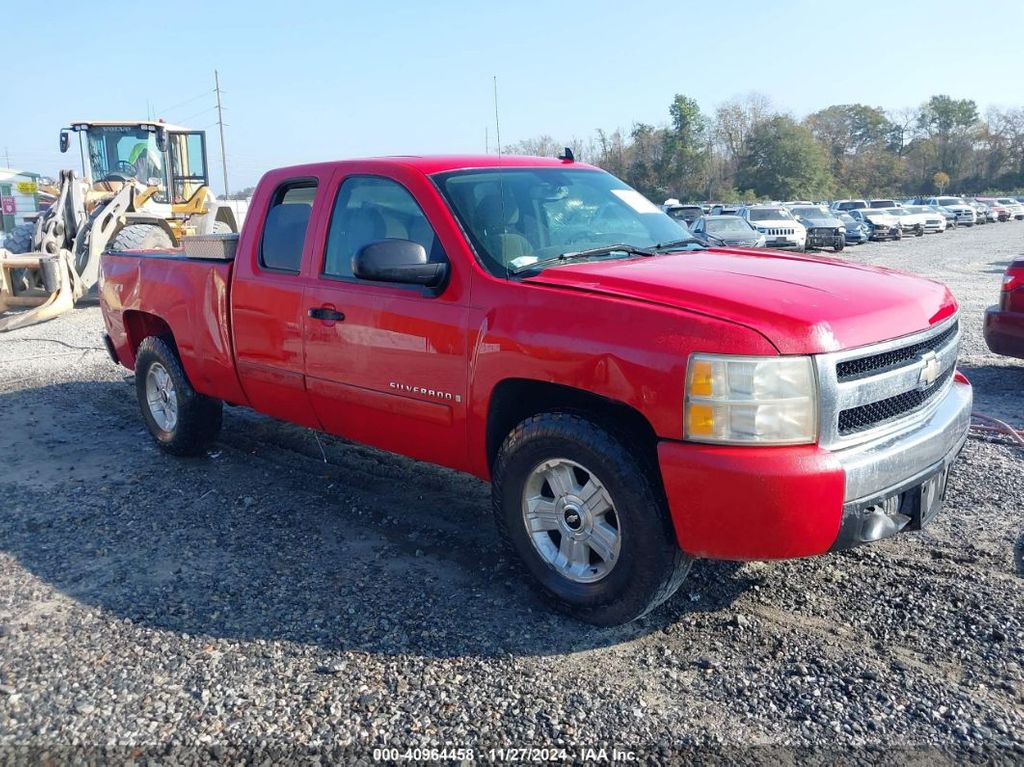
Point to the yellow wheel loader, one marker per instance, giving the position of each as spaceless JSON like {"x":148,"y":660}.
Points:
{"x":146,"y":185}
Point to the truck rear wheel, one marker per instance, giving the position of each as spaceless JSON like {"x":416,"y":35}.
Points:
{"x":182,"y":421}
{"x":587,"y":518}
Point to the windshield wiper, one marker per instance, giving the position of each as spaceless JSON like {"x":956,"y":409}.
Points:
{"x":604,"y":250}
{"x":662,"y":246}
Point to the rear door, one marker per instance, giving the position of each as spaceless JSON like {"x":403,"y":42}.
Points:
{"x":386,"y":364}
{"x":268,"y":305}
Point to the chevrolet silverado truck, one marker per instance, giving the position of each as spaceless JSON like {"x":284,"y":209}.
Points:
{"x":636,"y":399}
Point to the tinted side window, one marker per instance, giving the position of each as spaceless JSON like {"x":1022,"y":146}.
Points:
{"x":284,"y":232}
{"x":369,"y":209}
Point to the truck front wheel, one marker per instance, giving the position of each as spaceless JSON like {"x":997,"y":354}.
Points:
{"x":182,"y":421}
{"x":587,"y":518}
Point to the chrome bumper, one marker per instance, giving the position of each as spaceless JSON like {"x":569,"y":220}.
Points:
{"x":879,"y":469}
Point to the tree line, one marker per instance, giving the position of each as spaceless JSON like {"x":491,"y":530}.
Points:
{"x":748,"y":150}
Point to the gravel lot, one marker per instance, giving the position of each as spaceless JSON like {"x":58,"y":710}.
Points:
{"x":260,"y":598}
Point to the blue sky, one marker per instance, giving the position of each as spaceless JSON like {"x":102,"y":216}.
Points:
{"x":329,"y":80}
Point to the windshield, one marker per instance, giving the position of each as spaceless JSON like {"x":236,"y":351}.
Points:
{"x":949,"y":201}
{"x":846,"y":218}
{"x":810,"y":212}
{"x":730,"y":225}
{"x":517,"y":216}
{"x":124,"y":152}
{"x":769,"y":214}
{"x":682,"y":214}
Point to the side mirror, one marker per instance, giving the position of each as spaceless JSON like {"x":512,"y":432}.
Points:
{"x":401,"y":261}
{"x":161,"y":139}
{"x":65,"y":141}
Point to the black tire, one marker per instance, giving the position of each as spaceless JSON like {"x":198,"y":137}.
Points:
{"x":141,"y":237}
{"x":19,"y":240}
{"x":919,"y":231}
{"x":898,"y":235}
{"x":649,"y":566}
{"x":198,"y":417}
{"x":840,"y":243}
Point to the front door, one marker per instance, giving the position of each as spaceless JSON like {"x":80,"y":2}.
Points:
{"x":386,"y":364}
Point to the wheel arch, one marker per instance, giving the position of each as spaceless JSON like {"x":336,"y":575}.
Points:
{"x":514,"y":399}
{"x":140,"y":325}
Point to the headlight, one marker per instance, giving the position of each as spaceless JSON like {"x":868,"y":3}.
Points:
{"x":750,"y":400}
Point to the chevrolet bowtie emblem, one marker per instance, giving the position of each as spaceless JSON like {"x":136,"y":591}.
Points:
{"x":930,"y":372}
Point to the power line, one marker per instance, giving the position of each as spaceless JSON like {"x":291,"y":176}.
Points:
{"x":186,"y":102}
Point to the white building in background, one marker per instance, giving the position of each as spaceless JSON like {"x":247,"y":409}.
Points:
{"x":19,"y":197}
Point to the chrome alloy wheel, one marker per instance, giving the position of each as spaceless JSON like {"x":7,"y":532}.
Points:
{"x":571,"y":520}
{"x":161,"y":397}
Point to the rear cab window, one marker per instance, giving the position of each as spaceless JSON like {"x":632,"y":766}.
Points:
{"x":286,"y":226}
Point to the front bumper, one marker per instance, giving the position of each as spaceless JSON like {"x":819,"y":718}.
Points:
{"x":886,"y":232}
{"x":1004,"y":332}
{"x":783,"y":502}
{"x":825,"y":238}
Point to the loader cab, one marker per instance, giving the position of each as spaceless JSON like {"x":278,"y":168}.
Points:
{"x":168,"y":159}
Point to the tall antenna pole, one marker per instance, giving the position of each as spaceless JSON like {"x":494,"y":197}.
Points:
{"x":7,"y":157}
{"x":220,"y":124}
{"x":497,"y":122}
{"x":487,"y":140}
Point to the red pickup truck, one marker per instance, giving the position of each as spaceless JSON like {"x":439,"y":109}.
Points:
{"x":636,"y":399}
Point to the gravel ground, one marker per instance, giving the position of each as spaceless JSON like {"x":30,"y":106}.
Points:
{"x":262,"y":599}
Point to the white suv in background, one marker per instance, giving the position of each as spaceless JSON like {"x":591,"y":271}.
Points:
{"x":965,"y":213}
{"x":777,"y":224}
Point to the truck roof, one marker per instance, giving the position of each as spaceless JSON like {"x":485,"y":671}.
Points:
{"x":430,"y":164}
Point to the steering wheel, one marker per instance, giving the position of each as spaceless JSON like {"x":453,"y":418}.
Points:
{"x":123,"y":166}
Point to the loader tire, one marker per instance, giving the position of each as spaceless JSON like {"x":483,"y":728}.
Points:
{"x":20,"y":238}
{"x":20,"y":241}
{"x":141,"y":237}
{"x":182,"y":421}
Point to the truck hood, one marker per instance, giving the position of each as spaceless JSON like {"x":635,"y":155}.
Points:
{"x":802,"y":304}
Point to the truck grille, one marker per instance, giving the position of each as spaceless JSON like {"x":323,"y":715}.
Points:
{"x":876,"y":390}
{"x":876,"y":363}
{"x":885,"y":411}
{"x":776,"y":231}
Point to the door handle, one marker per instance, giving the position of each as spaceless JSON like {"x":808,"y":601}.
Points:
{"x":326,"y":313}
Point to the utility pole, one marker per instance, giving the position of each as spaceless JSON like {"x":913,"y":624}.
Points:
{"x":487,"y":140}
{"x":220,"y":123}
{"x":7,"y":158}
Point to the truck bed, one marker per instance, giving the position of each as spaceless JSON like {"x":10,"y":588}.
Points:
{"x":188,"y":297}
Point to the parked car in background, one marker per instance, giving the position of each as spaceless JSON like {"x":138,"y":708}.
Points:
{"x":1016,"y":208}
{"x":1004,"y":322}
{"x":908,"y":222}
{"x":931,"y":220}
{"x":998,"y":211}
{"x":881,"y":224}
{"x":857,"y":232}
{"x":777,"y":224}
{"x":677,"y":211}
{"x":848,"y":205}
{"x":727,"y":230}
{"x":721,"y":209}
{"x":950,"y":216}
{"x":884,"y":203}
{"x":824,"y":230}
{"x":965,"y":214}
